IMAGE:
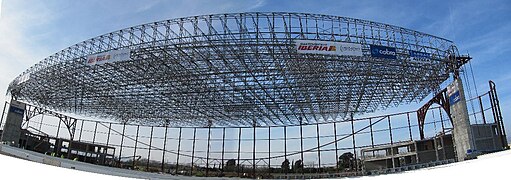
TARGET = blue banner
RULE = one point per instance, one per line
(383, 52)
(16, 110)
(419, 55)
(454, 98)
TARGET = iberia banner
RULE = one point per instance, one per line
(328, 48)
(109, 57)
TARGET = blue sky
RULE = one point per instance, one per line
(31, 30)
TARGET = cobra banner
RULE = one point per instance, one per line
(383, 52)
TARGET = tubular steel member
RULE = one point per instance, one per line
(253, 152)
(319, 149)
(391, 142)
(223, 148)
(164, 149)
(193, 150)
(353, 141)
(207, 153)
(337, 149)
(178, 150)
(135, 149)
(441, 99)
(239, 149)
(150, 145)
(285, 148)
(122, 142)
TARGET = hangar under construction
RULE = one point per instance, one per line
(269, 95)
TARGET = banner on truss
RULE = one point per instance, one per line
(109, 57)
(328, 48)
(417, 55)
(383, 52)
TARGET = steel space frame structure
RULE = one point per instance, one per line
(242, 69)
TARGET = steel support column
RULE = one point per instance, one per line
(193, 149)
(108, 140)
(253, 152)
(122, 142)
(108, 136)
(410, 126)
(178, 150)
(150, 147)
(239, 148)
(41, 123)
(81, 130)
(482, 109)
(442, 120)
(301, 145)
(269, 149)
(223, 149)
(372, 133)
(391, 143)
(207, 152)
(164, 148)
(95, 130)
(58, 128)
(285, 147)
(135, 149)
(353, 141)
(336, 148)
(319, 149)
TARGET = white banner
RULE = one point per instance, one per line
(24, 78)
(328, 47)
(452, 88)
(109, 57)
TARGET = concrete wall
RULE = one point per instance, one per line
(377, 165)
(462, 132)
(486, 137)
(12, 128)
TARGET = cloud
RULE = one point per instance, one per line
(1, 9)
(17, 51)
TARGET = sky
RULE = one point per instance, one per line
(31, 30)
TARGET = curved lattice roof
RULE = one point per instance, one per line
(237, 69)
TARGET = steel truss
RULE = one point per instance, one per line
(237, 70)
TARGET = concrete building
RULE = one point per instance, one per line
(486, 137)
(407, 153)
